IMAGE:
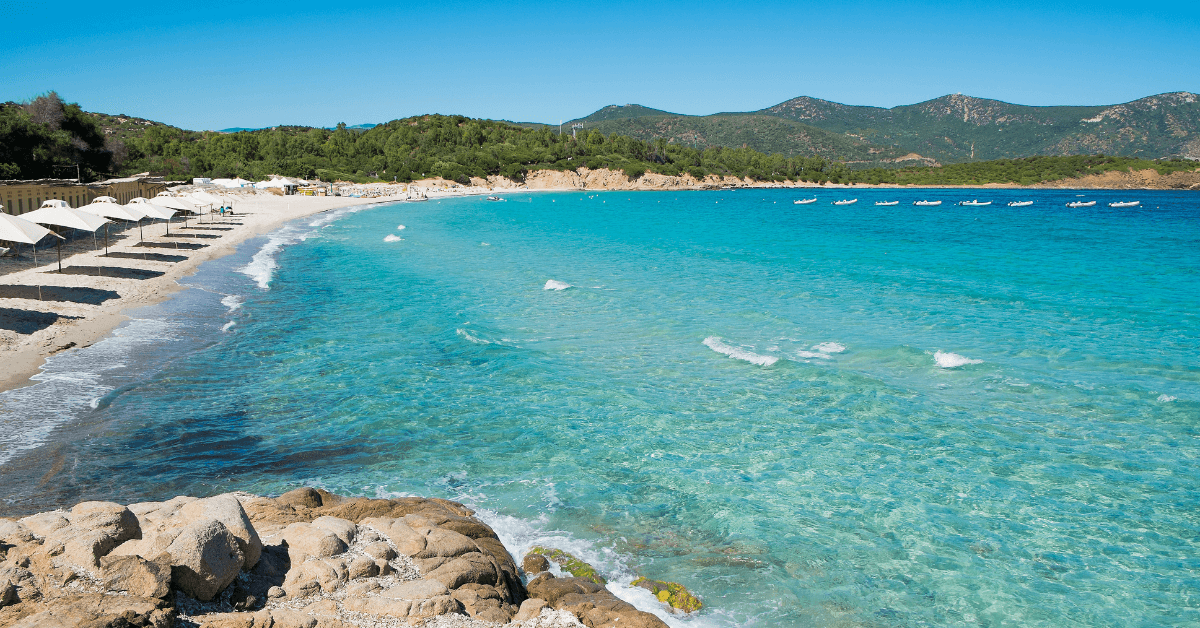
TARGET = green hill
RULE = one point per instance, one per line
(958, 128)
(950, 129)
(763, 133)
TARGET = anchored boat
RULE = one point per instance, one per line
(1125, 204)
(975, 203)
(927, 203)
(1020, 203)
(805, 201)
(1074, 204)
(887, 203)
(846, 202)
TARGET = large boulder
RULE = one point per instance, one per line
(228, 510)
(205, 558)
(137, 576)
(304, 540)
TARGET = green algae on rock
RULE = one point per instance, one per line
(672, 593)
(569, 564)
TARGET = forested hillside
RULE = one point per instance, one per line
(452, 147)
(950, 129)
(763, 133)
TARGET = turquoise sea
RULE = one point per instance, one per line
(808, 415)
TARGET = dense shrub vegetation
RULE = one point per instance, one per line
(47, 138)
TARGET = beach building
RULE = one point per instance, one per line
(23, 196)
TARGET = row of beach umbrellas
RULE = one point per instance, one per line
(31, 228)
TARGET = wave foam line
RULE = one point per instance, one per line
(392, 238)
(718, 345)
(953, 360)
(556, 285)
(232, 301)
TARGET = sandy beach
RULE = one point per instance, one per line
(79, 307)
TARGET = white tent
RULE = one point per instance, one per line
(205, 198)
(54, 202)
(232, 183)
(274, 183)
(104, 199)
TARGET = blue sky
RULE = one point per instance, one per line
(218, 64)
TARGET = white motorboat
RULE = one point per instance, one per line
(805, 201)
(1020, 203)
(494, 198)
(846, 202)
(975, 203)
(927, 203)
(1125, 204)
(1074, 204)
(887, 203)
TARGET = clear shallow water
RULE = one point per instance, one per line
(875, 416)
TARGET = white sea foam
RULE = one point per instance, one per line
(812, 355)
(232, 301)
(262, 266)
(400, 227)
(718, 345)
(829, 347)
(228, 325)
(953, 360)
(69, 382)
(472, 337)
(1166, 398)
(392, 238)
(556, 285)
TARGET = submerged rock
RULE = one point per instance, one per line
(568, 562)
(673, 594)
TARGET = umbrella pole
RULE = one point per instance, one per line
(34, 246)
(58, 247)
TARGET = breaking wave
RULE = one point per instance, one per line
(556, 285)
(718, 345)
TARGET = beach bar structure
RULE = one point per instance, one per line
(23, 196)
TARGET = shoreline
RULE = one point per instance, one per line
(80, 324)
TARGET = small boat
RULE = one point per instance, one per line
(1074, 204)
(975, 203)
(1125, 204)
(494, 198)
(1020, 203)
(887, 203)
(846, 202)
(927, 203)
(805, 201)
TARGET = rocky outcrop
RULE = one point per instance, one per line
(306, 558)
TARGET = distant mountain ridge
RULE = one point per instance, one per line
(950, 129)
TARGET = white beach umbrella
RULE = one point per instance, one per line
(64, 216)
(152, 210)
(14, 229)
(114, 211)
(155, 210)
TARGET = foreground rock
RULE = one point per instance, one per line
(306, 559)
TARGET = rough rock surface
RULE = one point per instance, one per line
(306, 559)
